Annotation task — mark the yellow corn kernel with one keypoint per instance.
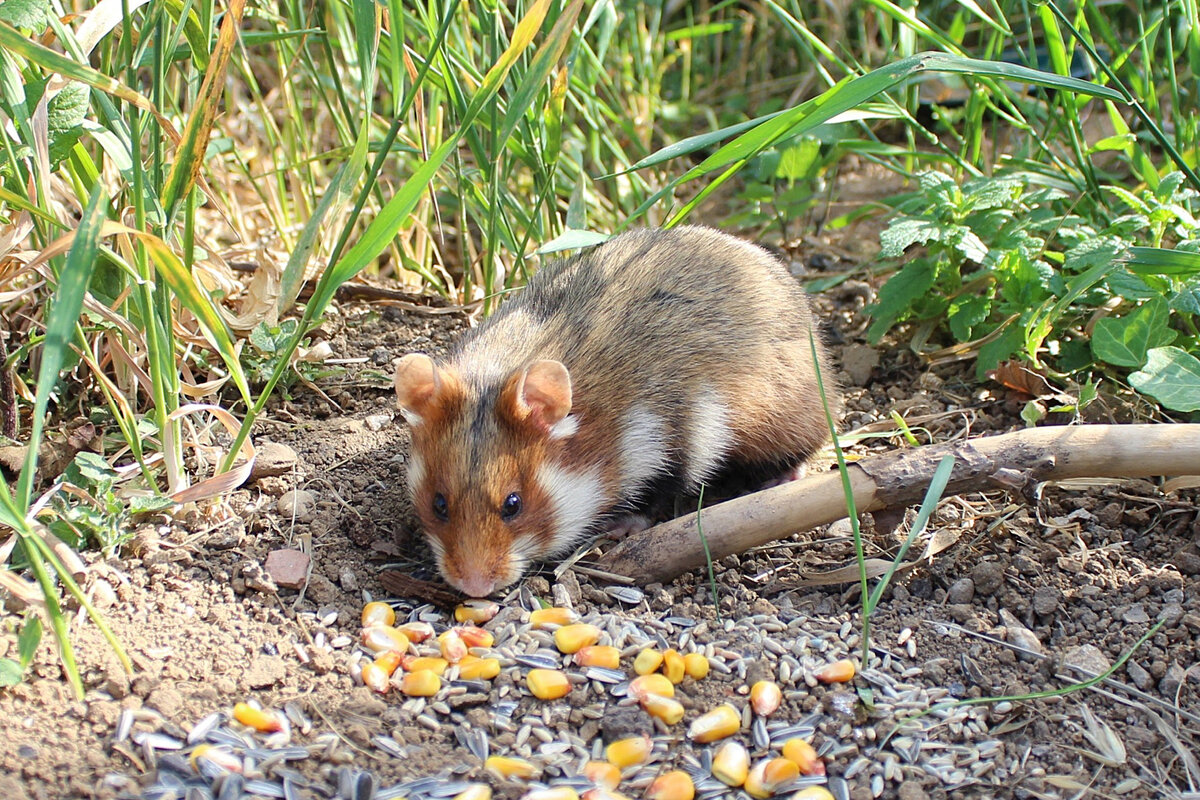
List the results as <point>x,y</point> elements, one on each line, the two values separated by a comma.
<point>731,764</point>
<point>654,683</point>
<point>627,752</point>
<point>388,662</point>
<point>479,669</point>
<point>813,793</point>
<point>474,636</point>
<point>647,661</point>
<point>436,665</point>
<point>422,683</point>
<point>476,791</point>
<point>453,647</point>
<point>381,638</point>
<point>416,632</point>
<point>223,757</point>
<point>673,785</point>
<point>598,655</point>
<point>262,721</point>
<point>603,774</point>
<point>765,697</point>
<point>722,721</point>
<point>375,678</point>
<point>668,710</point>
<point>767,776</point>
<point>672,666</point>
<point>547,684</point>
<point>804,756</point>
<point>503,767</point>
<point>552,793</point>
<point>837,672</point>
<point>553,616</point>
<point>696,666</point>
<point>378,613</point>
<point>477,611</point>
<point>570,638</point>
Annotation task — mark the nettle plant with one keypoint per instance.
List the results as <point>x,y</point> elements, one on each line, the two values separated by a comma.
<point>1010,269</point>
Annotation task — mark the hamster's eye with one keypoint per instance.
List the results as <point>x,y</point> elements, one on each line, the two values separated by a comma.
<point>440,509</point>
<point>511,507</point>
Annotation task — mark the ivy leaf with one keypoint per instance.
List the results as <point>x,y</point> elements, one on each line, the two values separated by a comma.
<point>1172,377</point>
<point>1124,341</point>
<point>91,469</point>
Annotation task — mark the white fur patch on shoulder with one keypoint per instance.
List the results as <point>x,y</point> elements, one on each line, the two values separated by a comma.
<point>709,438</point>
<point>643,448</point>
<point>565,427</point>
<point>576,499</point>
<point>416,472</point>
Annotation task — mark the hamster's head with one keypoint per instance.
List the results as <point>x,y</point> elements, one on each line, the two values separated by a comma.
<point>475,465</point>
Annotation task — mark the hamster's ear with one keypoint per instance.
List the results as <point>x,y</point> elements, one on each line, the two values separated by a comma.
<point>423,391</point>
<point>539,396</point>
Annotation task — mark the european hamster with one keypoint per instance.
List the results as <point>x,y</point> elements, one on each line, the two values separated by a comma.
<point>646,366</point>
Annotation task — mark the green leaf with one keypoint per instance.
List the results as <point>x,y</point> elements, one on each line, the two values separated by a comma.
<point>1124,283</point>
<point>31,15</point>
<point>1187,298</point>
<point>1172,377</point>
<point>60,326</point>
<point>10,672</point>
<point>897,296</point>
<point>1161,261</point>
<point>66,112</point>
<point>144,504</point>
<point>799,161</point>
<point>27,641</point>
<point>965,313</point>
<point>904,233</point>
<point>93,468</point>
<point>1124,341</point>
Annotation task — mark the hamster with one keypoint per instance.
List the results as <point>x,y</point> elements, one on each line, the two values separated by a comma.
<point>644,367</point>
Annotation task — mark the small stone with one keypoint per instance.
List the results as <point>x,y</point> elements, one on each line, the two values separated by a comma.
<point>988,577</point>
<point>166,701</point>
<point>1087,657</point>
<point>1138,675</point>
<point>255,578</point>
<point>298,503</point>
<point>1170,683</point>
<point>858,362</point>
<point>104,596</point>
<point>1046,600</point>
<point>288,568</point>
<point>1135,614</point>
<point>1187,560</point>
<point>961,591</point>
<point>348,580</point>
<point>273,459</point>
<point>1170,614</point>
<point>377,422</point>
<point>264,672</point>
<point>912,790</point>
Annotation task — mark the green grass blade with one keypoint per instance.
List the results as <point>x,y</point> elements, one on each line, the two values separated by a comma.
<point>60,326</point>
<point>1161,261</point>
<point>539,70</point>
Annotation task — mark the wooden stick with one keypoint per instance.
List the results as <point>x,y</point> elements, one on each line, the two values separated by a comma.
<point>1017,460</point>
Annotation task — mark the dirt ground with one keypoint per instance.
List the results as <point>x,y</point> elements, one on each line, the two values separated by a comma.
<point>1087,570</point>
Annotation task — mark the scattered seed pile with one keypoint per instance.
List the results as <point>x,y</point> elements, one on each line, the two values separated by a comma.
<point>549,705</point>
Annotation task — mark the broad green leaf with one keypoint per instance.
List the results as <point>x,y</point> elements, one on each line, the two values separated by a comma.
<point>189,155</point>
<point>60,326</point>
<point>1125,284</point>
<point>93,468</point>
<point>10,672</point>
<point>896,296</point>
<point>1172,377</point>
<point>904,233</point>
<point>1124,341</point>
<point>1187,298</point>
<point>965,313</point>
<point>1161,261</point>
<point>31,15</point>
<point>28,639</point>
<point>799,161</point>
<point>66,112</point>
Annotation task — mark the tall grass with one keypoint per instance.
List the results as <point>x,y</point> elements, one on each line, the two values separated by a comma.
<point>443,143</point>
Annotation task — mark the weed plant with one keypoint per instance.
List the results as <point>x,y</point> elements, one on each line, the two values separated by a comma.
<point>150,144</point>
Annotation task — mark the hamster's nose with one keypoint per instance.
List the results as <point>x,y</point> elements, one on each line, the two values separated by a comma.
<point>477,585</point>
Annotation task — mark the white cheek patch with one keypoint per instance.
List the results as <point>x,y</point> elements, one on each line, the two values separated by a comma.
<point>643,448</point>
<point>416,472</point>
<point>576,499</point>
<point>710,438</point>
<point>565,427</point>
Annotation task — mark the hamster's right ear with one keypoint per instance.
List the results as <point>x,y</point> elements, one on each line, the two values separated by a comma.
<point>422,390</point>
